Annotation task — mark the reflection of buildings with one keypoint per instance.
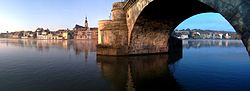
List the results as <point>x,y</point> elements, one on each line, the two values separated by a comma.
<point>211,43</point>
<point>138,73</point>
<point>84,46</point>
<point>78,46</point>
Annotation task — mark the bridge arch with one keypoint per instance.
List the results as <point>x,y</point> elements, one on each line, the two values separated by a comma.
<point>150,22</point>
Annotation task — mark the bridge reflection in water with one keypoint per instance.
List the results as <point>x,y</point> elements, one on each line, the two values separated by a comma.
<point>140,73</point>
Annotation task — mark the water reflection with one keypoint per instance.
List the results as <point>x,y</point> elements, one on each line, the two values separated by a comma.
<point>214,43</point>
<point>90,45</point>
<point>140,73</point>
<point>211,43</point>
<point>79,46</point>
<point>51,65</point>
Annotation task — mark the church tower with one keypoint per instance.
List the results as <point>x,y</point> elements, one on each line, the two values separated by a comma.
<point>86,22</point>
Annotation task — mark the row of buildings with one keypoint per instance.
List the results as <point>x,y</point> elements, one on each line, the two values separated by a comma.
<point>205,34</point>
<point>78,32</point>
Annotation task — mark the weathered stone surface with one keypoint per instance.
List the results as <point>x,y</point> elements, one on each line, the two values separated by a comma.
<point>150,39</point>
<point>113,33</point>
<point>116,38</point>
<point>118,13</point>
<point>133,12</point>
<point>103,26</point>
<point>144,26</point>
<point>235,11</point>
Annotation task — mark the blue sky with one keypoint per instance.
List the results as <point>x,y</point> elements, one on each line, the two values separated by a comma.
<point>53,14</point>
<point>16,15</point>
<point>211,21</point>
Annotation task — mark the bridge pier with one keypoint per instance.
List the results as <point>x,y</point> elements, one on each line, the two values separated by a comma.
<point>148,40</point>
<point>112,38</point>
<point>248,47</point>
<point>246,41</point>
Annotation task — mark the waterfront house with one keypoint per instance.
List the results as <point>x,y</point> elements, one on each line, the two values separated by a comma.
<point>27,34</point>
<point>226,36</point>
<point>3,35</point>
<point>41,33</point>
<point>65,34</point>
<point>17,35</point>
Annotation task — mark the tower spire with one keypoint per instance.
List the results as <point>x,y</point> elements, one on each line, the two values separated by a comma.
<point>86,22</point>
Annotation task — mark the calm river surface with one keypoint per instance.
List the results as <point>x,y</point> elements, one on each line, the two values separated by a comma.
<point>57,65</point>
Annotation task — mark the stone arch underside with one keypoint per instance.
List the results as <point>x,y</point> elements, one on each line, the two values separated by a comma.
<point>150,31</point>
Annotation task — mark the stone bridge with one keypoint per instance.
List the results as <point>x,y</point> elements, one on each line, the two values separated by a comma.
<point>145,26</point>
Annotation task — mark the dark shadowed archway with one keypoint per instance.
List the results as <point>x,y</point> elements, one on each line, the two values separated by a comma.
<point>158,20</point>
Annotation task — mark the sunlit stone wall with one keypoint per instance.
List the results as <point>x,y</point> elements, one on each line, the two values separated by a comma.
<point>112,38</point>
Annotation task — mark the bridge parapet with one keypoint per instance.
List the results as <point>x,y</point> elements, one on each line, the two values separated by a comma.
<point>128,4</point>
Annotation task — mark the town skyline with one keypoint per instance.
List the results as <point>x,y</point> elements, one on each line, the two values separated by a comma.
<point>28,15</point>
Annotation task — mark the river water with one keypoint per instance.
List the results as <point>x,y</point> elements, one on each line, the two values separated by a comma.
<point>60,65</point>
